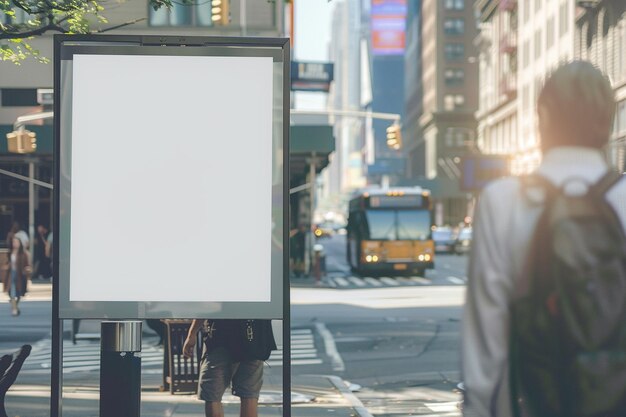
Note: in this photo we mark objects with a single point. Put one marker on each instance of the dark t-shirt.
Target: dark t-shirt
(244, 339)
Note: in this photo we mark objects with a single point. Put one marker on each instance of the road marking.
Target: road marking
(373, 282)
(342, 281)
(357, 281)
(405, 280)
(331, 283)
(85, 355)
(331, 347)
(390, 281)
(456, 280)
(443, 407)
(420, 280)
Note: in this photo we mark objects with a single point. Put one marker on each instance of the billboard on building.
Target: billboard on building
(388, 26)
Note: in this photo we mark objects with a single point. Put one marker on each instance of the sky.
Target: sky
(312, 34)
(312, 24)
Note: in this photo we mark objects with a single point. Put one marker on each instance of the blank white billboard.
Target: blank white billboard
(171, 188)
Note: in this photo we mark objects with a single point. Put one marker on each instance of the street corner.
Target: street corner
(331, 396)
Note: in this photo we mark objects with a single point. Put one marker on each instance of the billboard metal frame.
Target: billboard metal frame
(167, 41)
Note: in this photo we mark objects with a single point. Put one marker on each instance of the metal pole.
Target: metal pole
(312, 181)
(120, 368)
(31, 210)
(242, 17)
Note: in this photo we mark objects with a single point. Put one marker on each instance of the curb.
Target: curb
(358, 406)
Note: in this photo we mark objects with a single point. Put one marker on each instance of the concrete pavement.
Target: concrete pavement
(312, 395)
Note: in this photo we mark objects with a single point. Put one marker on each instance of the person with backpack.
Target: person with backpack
(544, 324)
(233, 352)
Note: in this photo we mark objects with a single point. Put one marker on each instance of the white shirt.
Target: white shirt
(503, 227)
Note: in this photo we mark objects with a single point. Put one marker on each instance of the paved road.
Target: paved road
(396, 337)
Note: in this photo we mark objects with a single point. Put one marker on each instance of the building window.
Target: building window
(182, 15)
(19, 18)
(550, 33)
(455, 4)
(537, 43)
(526, 7)
(563, 16)
(454, 77)
(454, 26)
(621, 117)
(453, 101)
(526, 54)
(454, 51)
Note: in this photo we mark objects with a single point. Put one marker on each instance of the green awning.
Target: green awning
(307, 139)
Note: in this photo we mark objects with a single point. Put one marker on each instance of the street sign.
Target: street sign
(311, 76)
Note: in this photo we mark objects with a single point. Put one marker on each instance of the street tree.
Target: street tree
(23, 20)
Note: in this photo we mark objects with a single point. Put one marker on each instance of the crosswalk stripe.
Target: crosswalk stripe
(357, 281)
(390, 281)
(85, 355)
(456, 280)
(420, 280)
(405, 280)
(342, 281)
(372, 281)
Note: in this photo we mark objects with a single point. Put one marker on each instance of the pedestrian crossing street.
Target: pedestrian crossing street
(84, 356)
(353, 282)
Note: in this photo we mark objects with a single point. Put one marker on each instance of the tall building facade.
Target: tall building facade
(413, 93)
(521, 42)
(440, 107)
(600, 37)
(345, 172)
(387, 41)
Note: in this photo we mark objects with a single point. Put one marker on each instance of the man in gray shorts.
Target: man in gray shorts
(229, 359)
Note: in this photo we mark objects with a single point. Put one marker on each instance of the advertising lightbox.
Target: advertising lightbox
(171, 177)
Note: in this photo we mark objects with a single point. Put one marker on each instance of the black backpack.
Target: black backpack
(568, 317)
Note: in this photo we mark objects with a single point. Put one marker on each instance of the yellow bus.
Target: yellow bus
(389, 230)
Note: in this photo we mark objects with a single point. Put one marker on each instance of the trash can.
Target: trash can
(180, 374)
(120, 368)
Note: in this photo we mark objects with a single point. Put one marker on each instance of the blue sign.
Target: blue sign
(477, 171)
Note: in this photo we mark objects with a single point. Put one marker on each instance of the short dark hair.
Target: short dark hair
(576, 107)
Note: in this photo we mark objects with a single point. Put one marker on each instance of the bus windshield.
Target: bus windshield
(398, 224)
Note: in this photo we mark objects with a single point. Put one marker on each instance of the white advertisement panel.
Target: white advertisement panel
(171, 178)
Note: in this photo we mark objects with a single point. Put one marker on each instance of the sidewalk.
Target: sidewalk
(312, 395)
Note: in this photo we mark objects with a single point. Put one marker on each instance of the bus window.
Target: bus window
(413, 224)
(382, 225)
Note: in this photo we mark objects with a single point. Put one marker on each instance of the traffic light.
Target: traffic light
(220, 13)
(21, 141)
(394, 137)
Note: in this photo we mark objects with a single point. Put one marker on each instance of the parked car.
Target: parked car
(444, 239)
(463, 241)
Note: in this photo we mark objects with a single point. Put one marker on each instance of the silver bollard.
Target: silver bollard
(120, 368)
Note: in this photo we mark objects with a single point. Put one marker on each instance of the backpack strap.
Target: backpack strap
(605, 183)
(534, 181)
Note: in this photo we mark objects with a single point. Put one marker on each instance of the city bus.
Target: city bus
(389, 230)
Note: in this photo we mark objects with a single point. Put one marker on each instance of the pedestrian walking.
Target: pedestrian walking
(543, 331)
(15, 278)
(232, 354)
(42, 260)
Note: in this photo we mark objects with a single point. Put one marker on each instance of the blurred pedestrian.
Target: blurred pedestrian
(543, 331)
(232, 354)
(15, 279)
(297, 245)
(42, 261)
